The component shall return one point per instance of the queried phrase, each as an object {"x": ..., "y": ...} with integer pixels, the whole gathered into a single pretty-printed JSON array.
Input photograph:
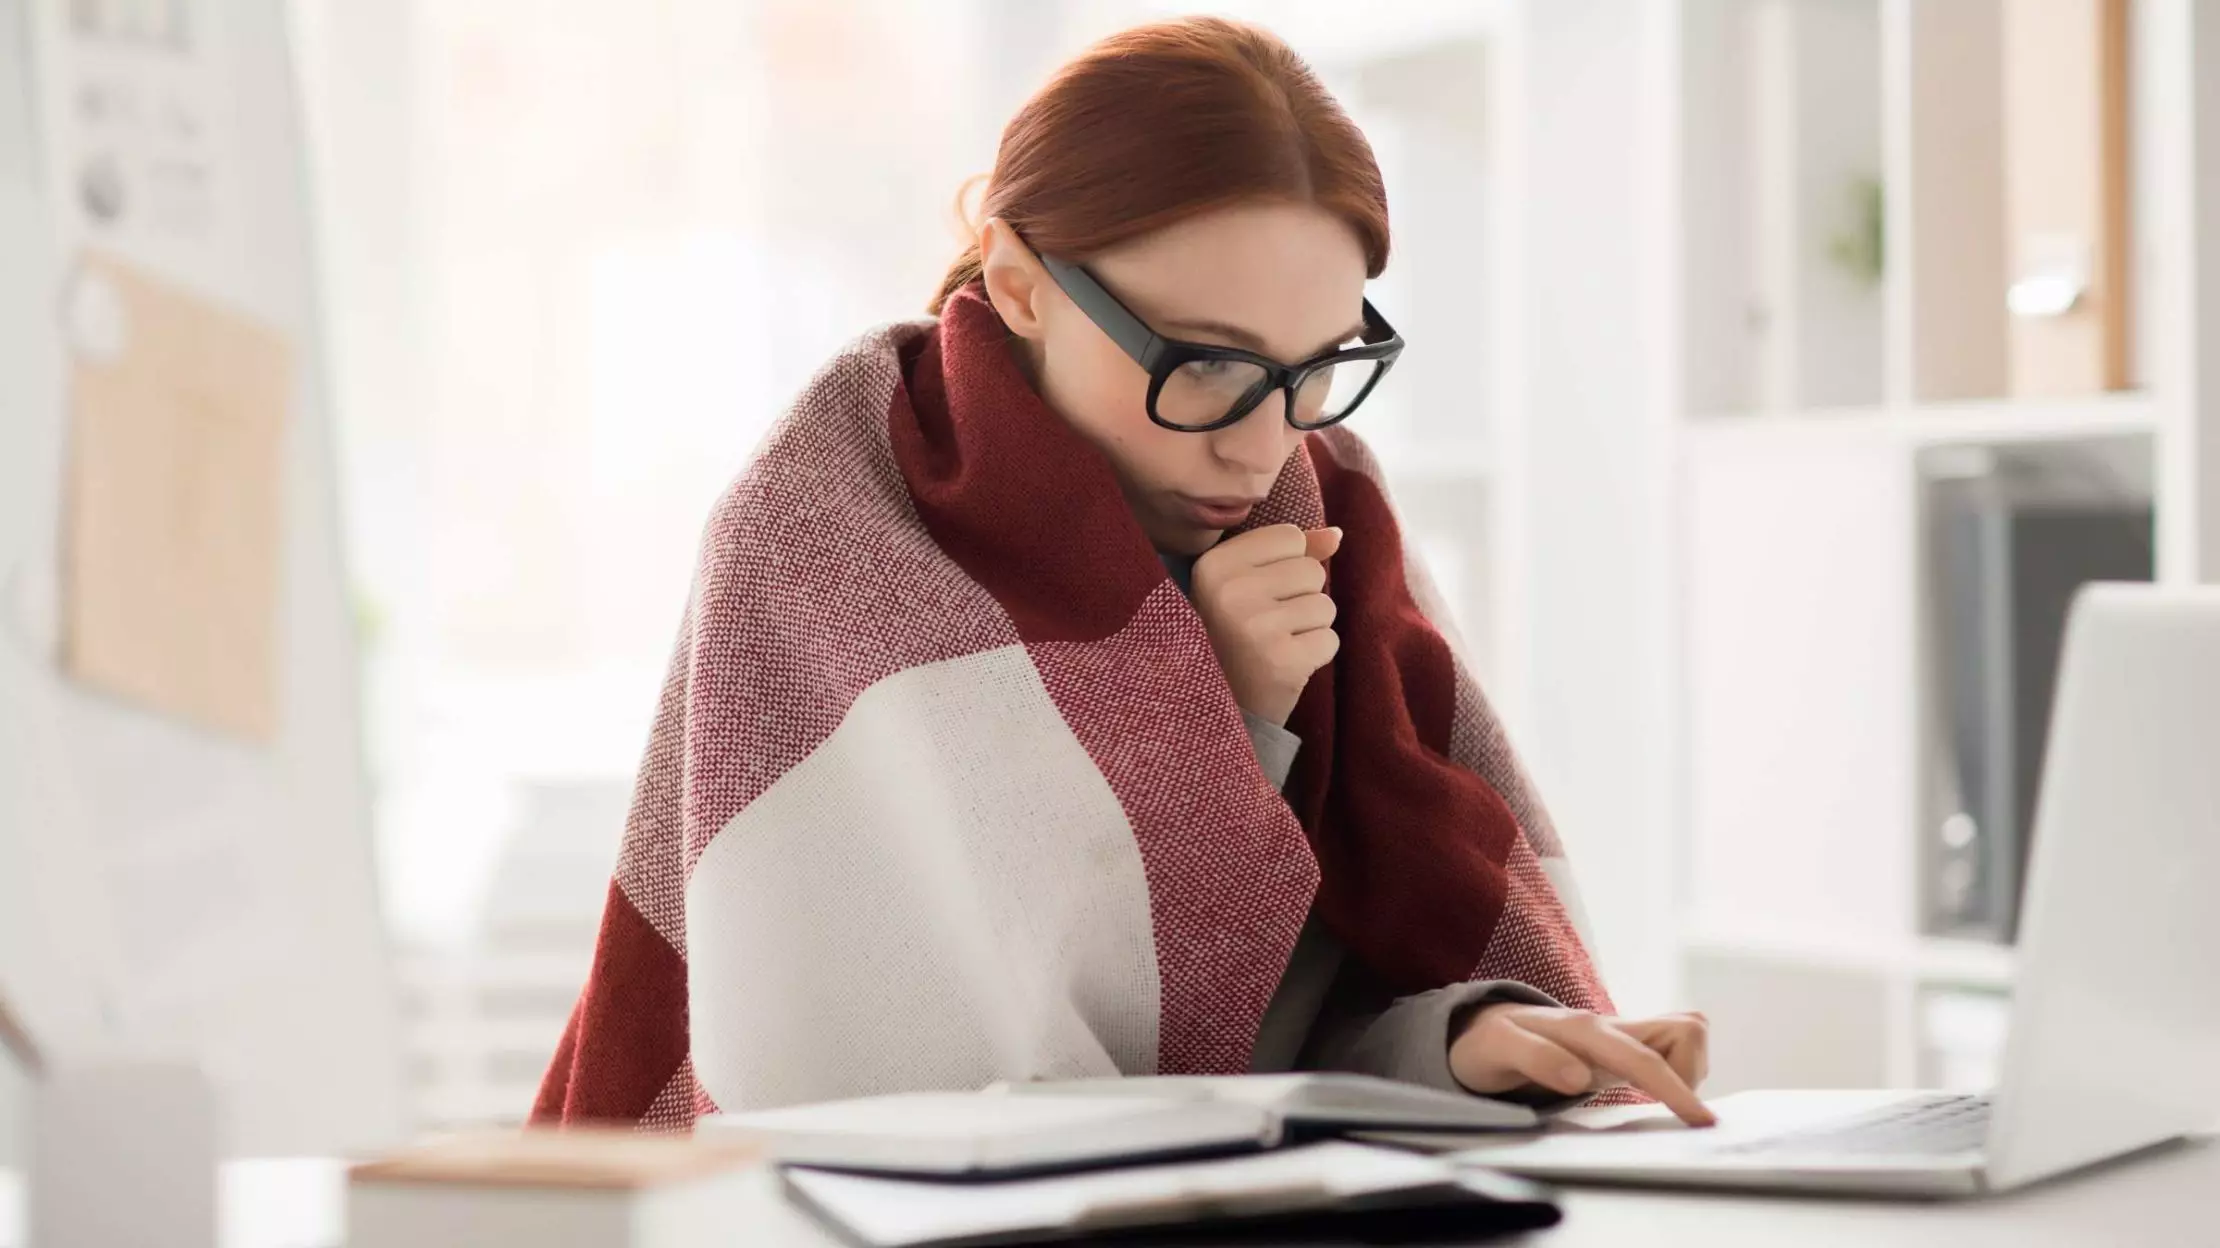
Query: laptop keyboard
[{"x": 1931, "y": 1128}]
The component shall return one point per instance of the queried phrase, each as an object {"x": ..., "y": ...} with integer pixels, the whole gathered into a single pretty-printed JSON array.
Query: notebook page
[
  {"x": 940, "y": 1115},
  {"x": 1262, "y": 1091}
]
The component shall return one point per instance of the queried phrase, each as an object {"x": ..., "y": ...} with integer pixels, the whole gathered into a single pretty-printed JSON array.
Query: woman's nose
[{"x": 1258, "y": 443}]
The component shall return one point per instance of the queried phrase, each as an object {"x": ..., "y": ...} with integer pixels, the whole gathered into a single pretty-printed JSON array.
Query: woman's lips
[{"x": 1217, "y": 513}]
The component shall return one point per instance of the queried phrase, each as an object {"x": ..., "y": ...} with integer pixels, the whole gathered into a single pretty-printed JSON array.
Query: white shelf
[
  {"x": 1919, "y": 961},
  {"x": 1962, "y": 423},
  {"x": 1972, "y": 963},
  {"x": 1797, "y": 566}
]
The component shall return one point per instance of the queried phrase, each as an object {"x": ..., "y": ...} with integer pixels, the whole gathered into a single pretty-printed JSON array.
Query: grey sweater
[{"x": 1332, "y": 1012}]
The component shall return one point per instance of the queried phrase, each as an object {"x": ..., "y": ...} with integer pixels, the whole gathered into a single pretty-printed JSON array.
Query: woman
[{"x": 1018, "y": 728}]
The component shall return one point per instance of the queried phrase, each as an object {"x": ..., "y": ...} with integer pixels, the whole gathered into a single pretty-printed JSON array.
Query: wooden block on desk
[{"x": 574, "y": 1188}]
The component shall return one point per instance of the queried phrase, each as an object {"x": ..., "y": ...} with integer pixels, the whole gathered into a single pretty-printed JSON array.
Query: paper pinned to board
[{"x": 174, "y": 523}]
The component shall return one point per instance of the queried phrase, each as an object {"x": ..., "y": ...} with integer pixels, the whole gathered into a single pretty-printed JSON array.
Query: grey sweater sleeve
[
  {"x": 1332, "y": 1013},
  {"x": 1361, "y": 1027},
  {"x": 1275, "y": 748}
]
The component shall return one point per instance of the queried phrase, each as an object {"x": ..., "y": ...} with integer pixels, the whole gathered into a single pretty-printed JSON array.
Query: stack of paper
[
  {"x": 955, "y": 1133},
  {"x": 1074, "y": 1124}
]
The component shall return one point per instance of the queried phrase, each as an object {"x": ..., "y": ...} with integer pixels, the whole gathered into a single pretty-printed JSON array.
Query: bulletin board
[{"x": 185, "y": 866}]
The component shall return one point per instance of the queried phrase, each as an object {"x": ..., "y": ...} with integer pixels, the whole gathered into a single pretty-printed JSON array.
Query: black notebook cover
[{"x": 1464, "y": 1206}]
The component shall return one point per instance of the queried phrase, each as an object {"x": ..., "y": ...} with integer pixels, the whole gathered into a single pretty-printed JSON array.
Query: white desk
[{"x": 2159, "y": 1200}]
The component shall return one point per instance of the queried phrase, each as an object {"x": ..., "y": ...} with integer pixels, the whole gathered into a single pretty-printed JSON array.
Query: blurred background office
[{"x": 1777, "y": 368}]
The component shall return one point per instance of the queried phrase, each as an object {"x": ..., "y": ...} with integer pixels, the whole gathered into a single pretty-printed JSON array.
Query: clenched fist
[{"x": 1261, "y": 595}]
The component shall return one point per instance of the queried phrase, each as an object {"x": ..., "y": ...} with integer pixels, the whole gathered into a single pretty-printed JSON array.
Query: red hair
[{"x": 1167, "y": 121}]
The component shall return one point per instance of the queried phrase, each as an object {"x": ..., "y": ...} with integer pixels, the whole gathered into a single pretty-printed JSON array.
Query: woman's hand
[
  {"x": 1260, "y": 595},
  {"x": 1508, "y": 1046}
]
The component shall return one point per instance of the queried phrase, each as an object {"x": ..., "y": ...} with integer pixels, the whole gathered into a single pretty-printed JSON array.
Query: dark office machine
[{"x": 2010, "y": 544}]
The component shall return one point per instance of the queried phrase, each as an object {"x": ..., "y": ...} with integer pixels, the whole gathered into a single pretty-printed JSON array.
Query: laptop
[{"x": 2115, "y": 1034}]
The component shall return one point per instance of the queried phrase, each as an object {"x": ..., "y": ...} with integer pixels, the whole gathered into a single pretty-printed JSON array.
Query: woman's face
[{"x": 1283, "y": 280}]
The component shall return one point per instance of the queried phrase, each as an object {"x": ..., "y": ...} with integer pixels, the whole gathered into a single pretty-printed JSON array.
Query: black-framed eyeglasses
[{"x": 1195, "y": 387}]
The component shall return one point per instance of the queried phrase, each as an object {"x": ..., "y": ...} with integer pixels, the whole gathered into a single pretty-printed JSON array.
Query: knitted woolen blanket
[{"x": 946, "y": 785}]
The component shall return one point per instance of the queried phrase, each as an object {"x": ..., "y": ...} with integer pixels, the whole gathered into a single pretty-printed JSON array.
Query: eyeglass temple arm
[
  {"x": 1373, "y": 321},
  {"x": 1132, "y": 335}
]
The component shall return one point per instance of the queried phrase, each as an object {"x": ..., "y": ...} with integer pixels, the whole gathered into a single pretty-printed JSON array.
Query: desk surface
[
  {"x": 2169, "y": 1197},
  {"x": 2159, "y": 1199}
]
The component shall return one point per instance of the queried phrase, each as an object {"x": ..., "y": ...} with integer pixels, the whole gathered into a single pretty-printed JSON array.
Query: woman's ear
[{"x": 1016, "y": 283}]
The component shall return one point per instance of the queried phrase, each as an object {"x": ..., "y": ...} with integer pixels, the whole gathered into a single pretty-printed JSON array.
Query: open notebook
[
  {"x": 981, "y": 1133},
  {"x": 1311, "y": 1106},
  {"x": 1062, "y": 1125},
  {"x": 1332, "y": 1191}
]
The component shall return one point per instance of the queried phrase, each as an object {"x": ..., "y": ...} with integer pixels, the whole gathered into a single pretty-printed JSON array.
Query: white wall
[
  {"x": 15, "y": 1093},
  {"x": 1588, "y": 371}
]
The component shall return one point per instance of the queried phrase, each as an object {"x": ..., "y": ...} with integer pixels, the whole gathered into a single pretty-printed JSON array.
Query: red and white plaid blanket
[{"x": 946, "y": 786}]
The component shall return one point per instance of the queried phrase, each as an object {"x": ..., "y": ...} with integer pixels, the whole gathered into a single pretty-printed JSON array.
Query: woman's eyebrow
[{"x": 1248, "y": 341}]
